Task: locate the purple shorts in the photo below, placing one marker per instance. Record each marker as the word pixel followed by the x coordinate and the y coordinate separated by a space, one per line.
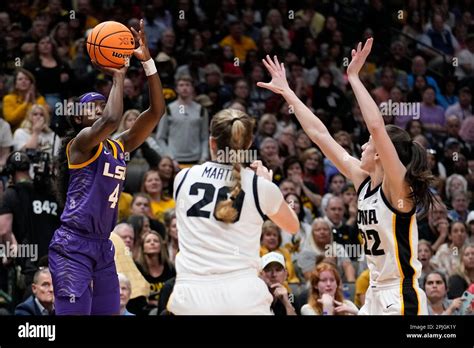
pixel 84 276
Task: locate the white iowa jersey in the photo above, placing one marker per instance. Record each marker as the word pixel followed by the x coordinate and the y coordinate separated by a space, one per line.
pixel 206 245
pixel 389 239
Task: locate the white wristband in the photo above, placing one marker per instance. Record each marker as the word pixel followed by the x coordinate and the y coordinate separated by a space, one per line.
pixel 149 67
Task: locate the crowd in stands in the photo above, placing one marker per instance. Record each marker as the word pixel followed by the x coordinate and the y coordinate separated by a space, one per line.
pixel 208 55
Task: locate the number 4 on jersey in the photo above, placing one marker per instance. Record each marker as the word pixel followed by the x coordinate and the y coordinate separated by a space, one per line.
pixel 114 196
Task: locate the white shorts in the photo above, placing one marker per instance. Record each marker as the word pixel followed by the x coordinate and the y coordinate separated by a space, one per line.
pixel 237 293
pixel 394 300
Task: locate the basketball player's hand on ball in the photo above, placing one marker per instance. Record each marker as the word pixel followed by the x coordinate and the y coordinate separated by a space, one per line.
pixel 119 72
pixel 359 56
pixel 141 52
pixel 278 84
pixel 261 170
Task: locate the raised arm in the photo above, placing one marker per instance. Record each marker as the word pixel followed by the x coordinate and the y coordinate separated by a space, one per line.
pixel 89 137
pixel 312 125
pixel 394 170
pixel 147 121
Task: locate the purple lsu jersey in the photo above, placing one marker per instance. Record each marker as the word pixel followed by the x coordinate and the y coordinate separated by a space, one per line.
pixel 94 189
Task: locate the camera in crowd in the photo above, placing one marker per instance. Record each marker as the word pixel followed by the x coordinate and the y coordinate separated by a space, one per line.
pixel 32 160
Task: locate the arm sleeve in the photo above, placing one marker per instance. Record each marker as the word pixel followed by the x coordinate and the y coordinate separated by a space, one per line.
pixel 269 196
pixel 150 155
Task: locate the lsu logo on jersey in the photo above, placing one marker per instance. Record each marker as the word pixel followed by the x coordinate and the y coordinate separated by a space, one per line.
pixel 119 172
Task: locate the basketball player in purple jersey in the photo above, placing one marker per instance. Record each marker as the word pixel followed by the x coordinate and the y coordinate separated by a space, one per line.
pixel 81 256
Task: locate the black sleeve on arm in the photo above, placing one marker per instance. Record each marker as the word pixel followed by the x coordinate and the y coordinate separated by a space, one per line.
pixel 150 155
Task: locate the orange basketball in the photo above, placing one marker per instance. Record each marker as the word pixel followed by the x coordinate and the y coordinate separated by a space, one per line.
pixel 110 43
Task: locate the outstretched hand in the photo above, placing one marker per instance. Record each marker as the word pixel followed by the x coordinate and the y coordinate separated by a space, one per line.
pixel 141 52
pixel 278 84
pixel 359 56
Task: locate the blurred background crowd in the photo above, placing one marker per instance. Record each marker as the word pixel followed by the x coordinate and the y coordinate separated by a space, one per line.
pixel 208 54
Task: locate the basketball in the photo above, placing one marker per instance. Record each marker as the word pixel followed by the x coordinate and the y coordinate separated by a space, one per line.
pixel 109 44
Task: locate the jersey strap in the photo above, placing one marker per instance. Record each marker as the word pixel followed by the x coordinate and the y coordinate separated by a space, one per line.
pixel 362 184
pixel 180 184
pixel 255 196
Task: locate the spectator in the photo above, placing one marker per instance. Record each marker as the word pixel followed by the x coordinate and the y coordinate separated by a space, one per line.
pixel 465 66
pixel 141 225
pixel 293 170
pixel 171 234
pixel 436 228
pixel 303 143
pixel 274 22
pixel 270 154
pixel 447 258
pixel 382 94
pixel 274 274
pixel 418 68
pixel 294 242
pixel 17 103
pixel 154 28
pixel 126 233
pixel 455 182
pixel 267 128
pixel 440 38
pixel 436 289
pixel 41 302
pixel 35 134
pixel 459 202
pixel 38 30
pixel 325 297
pixel 343 233
pixel 463 277
pixel 431 115
pixel 6 141
pixel 53 77
pixel 313 168
pixel 184 120
pixel 125 292
pixel 320 243
pixel 29 213
pixel 123 240
pixel 154 264
pixel 166 170
pixel 240 43
pixel 153 186
pixel 463 108
pixel 271 240
pixel 425 253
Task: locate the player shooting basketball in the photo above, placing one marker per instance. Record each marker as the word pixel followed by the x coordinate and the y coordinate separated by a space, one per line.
pixel 392 178
pixel 92 173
